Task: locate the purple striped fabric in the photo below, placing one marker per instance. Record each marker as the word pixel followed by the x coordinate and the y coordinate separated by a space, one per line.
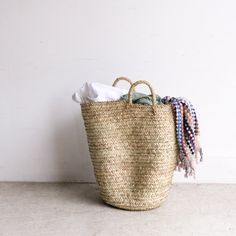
pixel 187 132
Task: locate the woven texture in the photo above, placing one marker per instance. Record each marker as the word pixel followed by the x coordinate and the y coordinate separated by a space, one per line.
pixel 133 150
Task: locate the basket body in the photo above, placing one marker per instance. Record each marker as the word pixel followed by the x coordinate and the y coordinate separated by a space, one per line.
pixel 133 152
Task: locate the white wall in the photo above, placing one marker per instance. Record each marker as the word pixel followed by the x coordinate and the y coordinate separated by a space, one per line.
pixel 48 49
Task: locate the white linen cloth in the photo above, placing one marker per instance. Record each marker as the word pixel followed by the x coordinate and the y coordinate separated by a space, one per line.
pixel 97 92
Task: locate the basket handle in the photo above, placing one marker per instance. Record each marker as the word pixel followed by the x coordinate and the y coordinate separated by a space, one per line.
pixel 131 90
pixel 121 78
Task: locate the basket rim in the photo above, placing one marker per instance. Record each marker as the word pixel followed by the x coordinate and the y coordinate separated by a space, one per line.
pixel 124 102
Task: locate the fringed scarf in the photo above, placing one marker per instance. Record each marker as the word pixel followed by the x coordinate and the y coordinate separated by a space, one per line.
pixel 187 132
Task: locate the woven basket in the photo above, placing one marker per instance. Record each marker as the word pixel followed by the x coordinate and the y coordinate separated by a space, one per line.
pixel 133 150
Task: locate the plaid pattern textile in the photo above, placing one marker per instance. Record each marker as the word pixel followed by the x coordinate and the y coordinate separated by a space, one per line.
pixel 187 132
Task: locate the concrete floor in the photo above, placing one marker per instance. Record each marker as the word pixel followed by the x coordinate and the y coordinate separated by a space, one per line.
pixel 32 209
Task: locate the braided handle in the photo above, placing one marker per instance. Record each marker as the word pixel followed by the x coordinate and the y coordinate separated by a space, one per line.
pixel 131 90
pixel 121 78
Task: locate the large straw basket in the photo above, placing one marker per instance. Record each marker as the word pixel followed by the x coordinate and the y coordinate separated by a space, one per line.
pixel 133 150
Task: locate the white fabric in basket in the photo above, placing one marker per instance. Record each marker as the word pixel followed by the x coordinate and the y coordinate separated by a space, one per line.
pixel 97 92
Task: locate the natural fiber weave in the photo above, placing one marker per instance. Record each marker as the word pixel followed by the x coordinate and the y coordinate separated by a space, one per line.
pixel 121 78
pixel 133 151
